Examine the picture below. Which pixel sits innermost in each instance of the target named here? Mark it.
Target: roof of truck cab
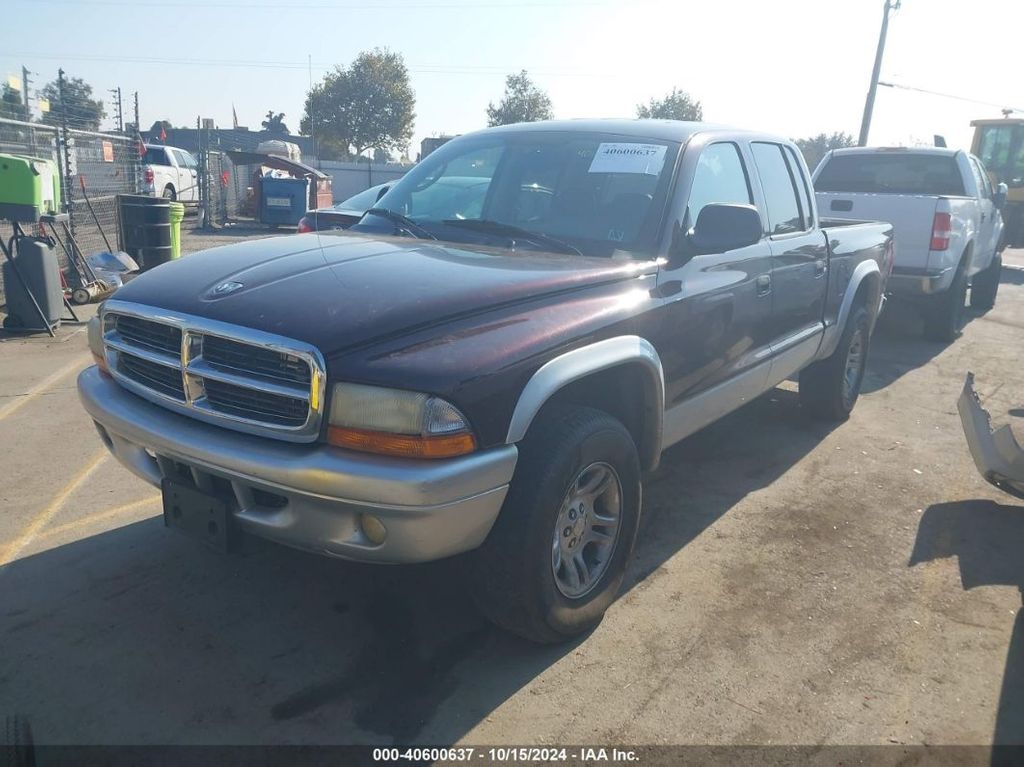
(660, 130)
(932, 150)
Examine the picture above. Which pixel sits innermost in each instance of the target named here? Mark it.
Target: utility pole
(69, 167)
(119, 116)
(138, 128)
(869, 104)
(24, 86)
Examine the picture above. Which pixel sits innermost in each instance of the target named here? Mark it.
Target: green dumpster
(177, 216)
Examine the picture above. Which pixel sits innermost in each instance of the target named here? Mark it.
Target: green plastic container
(177, 216)
(29, 188)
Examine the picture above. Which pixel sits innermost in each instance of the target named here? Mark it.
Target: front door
(718, 327)
(990, 220)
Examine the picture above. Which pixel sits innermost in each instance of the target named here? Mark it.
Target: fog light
(373, 528)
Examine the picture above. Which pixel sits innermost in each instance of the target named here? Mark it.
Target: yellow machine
(1000, 145)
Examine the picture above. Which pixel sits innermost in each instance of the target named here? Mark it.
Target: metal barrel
(145, 229)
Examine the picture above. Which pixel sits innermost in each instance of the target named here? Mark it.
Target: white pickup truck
(946, 219)
(170, 172)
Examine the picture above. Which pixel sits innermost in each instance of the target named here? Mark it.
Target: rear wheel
(943, 318)
(986, 284)
(556, 557)
(829, 388)
(169, 193)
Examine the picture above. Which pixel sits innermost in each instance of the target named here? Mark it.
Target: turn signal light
(403, 445)
(303, 226)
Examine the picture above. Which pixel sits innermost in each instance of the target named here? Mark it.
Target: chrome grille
(164, 379)
(148, 334)
(273, 408)
(236, 377)
(245, 358)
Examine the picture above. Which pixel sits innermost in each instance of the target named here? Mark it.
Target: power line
(412, 6)
(455, 69)
(950, 96)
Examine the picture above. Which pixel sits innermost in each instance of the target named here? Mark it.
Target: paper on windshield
(628, 158)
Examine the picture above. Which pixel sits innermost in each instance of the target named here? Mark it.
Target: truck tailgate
(911, 216)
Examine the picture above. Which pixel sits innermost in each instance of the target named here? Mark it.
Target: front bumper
(920, 282)
(996, 453)
(309, 496)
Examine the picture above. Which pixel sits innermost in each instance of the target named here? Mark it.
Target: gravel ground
(793, 584)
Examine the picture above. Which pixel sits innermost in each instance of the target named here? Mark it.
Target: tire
(830, 387)
(943, 318)
(169, 193)
(17, 748)
(13, 322)
(523, 575)
(986, 284)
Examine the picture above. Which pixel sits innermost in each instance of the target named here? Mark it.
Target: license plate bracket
(199, 514)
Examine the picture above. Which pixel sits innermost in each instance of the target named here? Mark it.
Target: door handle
(983, 218)
(819, 268)
(764, 284)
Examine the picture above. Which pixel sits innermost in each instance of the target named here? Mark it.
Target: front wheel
(557, 555)
(830, 387)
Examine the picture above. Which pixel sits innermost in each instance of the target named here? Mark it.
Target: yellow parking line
(15, 547)
(40, 388)
(99, 517)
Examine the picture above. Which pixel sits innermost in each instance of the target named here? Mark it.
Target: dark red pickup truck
(489, 360)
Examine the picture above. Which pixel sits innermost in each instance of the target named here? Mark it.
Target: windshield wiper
(496, 227)
(404, 222)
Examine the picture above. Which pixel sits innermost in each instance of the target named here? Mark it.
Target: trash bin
(283, 201)
(145, 229)
(177, 216)
(37, 265)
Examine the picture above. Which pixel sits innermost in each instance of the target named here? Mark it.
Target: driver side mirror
(722, 227)
(999, 196)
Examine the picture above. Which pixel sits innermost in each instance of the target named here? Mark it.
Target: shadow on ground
(988, 540)
(140, 635)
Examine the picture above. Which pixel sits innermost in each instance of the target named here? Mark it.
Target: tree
(165, 124)
(82, 110)
(816, 147)
(678, 105)
(370, 105)
(523, 102)
(12, 106)
(275, 124)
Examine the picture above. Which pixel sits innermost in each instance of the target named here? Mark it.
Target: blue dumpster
(283, 200)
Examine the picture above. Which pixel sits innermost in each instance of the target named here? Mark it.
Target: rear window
(155, 157)
(891, 174)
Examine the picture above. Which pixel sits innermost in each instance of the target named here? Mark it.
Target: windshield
(362, 201)
(897, 173)
(596, 194)
(1001, 149)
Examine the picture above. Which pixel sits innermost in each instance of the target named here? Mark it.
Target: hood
(341, 290)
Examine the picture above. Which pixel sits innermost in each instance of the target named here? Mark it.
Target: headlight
(395, 422)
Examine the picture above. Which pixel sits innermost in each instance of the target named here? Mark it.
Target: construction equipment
(1000, 145)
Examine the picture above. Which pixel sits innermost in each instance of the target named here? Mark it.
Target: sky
(790, 67)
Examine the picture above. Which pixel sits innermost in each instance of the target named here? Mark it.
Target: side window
(720, 178)
(803, 187)
(779, 190)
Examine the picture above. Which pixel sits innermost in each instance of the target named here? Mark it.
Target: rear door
(799, 251)
(188, 191)
(989, 220)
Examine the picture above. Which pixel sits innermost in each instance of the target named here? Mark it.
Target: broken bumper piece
(996, 453)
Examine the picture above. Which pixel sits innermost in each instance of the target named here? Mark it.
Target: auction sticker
(628, 158)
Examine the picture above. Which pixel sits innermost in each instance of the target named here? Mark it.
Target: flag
(234, 117)
(163, 135)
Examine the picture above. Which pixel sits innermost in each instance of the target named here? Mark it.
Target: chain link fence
(94, 167)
